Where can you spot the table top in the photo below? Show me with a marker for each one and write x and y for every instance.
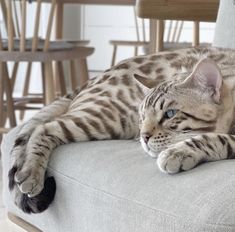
(97, 2)
(192, 10)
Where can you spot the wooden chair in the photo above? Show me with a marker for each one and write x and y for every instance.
(172, 41)
(157, 43)
(17, 48)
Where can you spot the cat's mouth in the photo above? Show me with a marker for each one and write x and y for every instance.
(150, 151)
(153, 149)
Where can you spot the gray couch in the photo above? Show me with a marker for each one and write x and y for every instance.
(112, 186)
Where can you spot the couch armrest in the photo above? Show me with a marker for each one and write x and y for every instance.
(191, 10)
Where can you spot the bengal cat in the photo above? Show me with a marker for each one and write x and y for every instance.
(185, 103)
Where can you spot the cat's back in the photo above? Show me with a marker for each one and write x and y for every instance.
(118, 82)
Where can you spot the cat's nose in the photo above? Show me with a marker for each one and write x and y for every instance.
(146, 137)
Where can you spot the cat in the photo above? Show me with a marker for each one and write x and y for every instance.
(179, 103)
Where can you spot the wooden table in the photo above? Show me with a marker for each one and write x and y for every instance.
(188, 10)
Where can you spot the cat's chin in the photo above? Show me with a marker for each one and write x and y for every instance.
(146, 148)
(153, 154)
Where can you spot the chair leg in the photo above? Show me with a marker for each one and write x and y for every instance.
(114, 55)
(14, 74)
(9, 98)
(49, 83)
(2, 121)
(196, 33)
(73, 75)
(83, 71)
(152, 35)
(43, 82)
(160, 35)
(26, 86)
(61, 77)
(136, 51)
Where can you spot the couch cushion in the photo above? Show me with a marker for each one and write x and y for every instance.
(112, 186)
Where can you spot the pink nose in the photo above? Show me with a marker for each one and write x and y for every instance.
(146, 137)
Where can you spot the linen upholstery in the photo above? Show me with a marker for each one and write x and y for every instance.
(112, 186)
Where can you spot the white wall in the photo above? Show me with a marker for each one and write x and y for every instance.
(103, 23)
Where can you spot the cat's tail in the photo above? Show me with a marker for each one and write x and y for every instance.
(36, 204)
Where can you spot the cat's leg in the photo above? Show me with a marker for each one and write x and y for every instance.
(47, 137)
(18, 156)
(187, 154)
(46, 114)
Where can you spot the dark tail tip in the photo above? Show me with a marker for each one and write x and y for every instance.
(11, 175)
(42, 201)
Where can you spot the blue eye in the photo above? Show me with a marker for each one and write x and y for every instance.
(170, 113)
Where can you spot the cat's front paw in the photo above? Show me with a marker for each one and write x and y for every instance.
(177, 158)
(30, 181)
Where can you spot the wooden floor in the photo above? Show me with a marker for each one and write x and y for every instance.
(7, 226)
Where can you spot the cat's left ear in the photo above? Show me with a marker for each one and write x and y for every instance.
(206, 77)
(145, 81)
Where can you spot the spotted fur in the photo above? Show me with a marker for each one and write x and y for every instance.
(107, 108)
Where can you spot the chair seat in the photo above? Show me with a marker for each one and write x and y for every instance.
(54, 45)
(71, 52)
(112, 186)
(77, 42)
(128, 43)
(181, 45)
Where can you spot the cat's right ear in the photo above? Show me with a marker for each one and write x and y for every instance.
(146, 82)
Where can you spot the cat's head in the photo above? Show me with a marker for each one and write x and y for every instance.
(174, 111)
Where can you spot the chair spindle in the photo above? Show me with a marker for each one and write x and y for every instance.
(23, 26)
(49, 25)
(36, 26)
(10, 26)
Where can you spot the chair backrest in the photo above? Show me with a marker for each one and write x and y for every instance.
(14, 15)
(174, 31)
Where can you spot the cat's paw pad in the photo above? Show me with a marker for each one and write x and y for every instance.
(173, 160)
(30, 181)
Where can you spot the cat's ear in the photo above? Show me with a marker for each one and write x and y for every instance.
(206, 77)
(145, 81)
